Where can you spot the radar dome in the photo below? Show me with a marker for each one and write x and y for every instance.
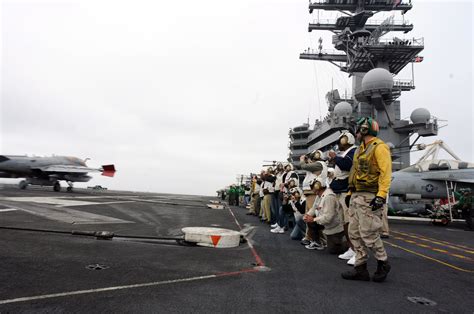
(377, 78)
(420, 115)
(343, 109)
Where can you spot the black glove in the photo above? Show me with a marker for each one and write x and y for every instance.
(347, 200)
(377, 203)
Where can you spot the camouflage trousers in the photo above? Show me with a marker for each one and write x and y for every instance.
(364, 228)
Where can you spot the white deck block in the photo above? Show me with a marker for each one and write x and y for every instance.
(215, 206)
(212, 237)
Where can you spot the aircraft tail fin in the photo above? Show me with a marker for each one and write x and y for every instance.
(108, 170)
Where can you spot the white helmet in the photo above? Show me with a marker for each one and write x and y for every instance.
(296, 189)
(349, 136)
(317, 154)
(320, 181)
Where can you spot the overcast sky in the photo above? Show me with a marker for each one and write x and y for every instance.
(184, 95)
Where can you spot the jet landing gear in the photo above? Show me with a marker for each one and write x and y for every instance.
(69, 188)
(23, 184)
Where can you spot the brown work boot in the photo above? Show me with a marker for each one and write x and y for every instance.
(359, 272)
(383, 268)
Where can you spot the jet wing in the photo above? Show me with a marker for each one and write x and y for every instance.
(107, 170)
(454, 175)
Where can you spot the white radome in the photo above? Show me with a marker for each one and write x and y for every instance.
(420, 115)
(343, 109)
(376, 79)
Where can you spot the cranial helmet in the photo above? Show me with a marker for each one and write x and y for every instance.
(346, 138)
(367, 125)
(319, 182)
(294, 190)
(316, 155)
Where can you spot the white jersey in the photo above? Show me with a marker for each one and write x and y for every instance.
(310, 176)
(338, 173)
(268, 186)
(279, 180)
(307, 179)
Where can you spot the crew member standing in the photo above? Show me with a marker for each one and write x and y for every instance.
(369, 182)
(466, 202)
(340, 183)
(313, 165)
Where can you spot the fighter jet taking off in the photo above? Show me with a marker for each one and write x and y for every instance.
(49, 171)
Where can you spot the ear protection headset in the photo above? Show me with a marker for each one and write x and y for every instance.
(343, 140)
(367, 126)
(315, 184)
(346, 138)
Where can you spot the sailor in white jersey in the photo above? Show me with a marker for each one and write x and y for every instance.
(340, 184)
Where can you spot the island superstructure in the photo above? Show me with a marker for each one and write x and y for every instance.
(372, 59)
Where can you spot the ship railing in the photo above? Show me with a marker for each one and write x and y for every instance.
(324, 21)
(355, 2)
(311, 51)
(369, 22)
(403, 83)
(397, 42)
(395, 22)
(345, 96)
(398, 84)
(388, 2)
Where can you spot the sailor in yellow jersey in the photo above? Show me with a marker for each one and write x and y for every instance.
(369, 182)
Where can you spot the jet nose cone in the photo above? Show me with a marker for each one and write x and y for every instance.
(3, 158)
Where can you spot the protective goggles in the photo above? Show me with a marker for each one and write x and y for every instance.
(363, 129)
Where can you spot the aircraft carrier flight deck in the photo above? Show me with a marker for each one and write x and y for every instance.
(58, 254)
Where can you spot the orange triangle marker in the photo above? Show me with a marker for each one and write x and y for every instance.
(215, 239)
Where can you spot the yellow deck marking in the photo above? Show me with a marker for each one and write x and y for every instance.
(462, 248)
(434, 249)
(430, 258)
(460, 256)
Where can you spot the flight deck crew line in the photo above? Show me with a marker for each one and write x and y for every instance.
(295, 212)
(347, 201)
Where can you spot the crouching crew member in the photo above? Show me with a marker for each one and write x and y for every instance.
(369, 182)
(328, 214)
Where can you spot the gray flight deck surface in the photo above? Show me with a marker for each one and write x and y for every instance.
(48, 272)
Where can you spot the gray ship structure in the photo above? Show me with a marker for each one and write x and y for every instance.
(364, 50)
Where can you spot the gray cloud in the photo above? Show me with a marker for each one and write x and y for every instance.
(182, 97)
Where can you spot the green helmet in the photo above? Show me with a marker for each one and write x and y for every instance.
(369, 124)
